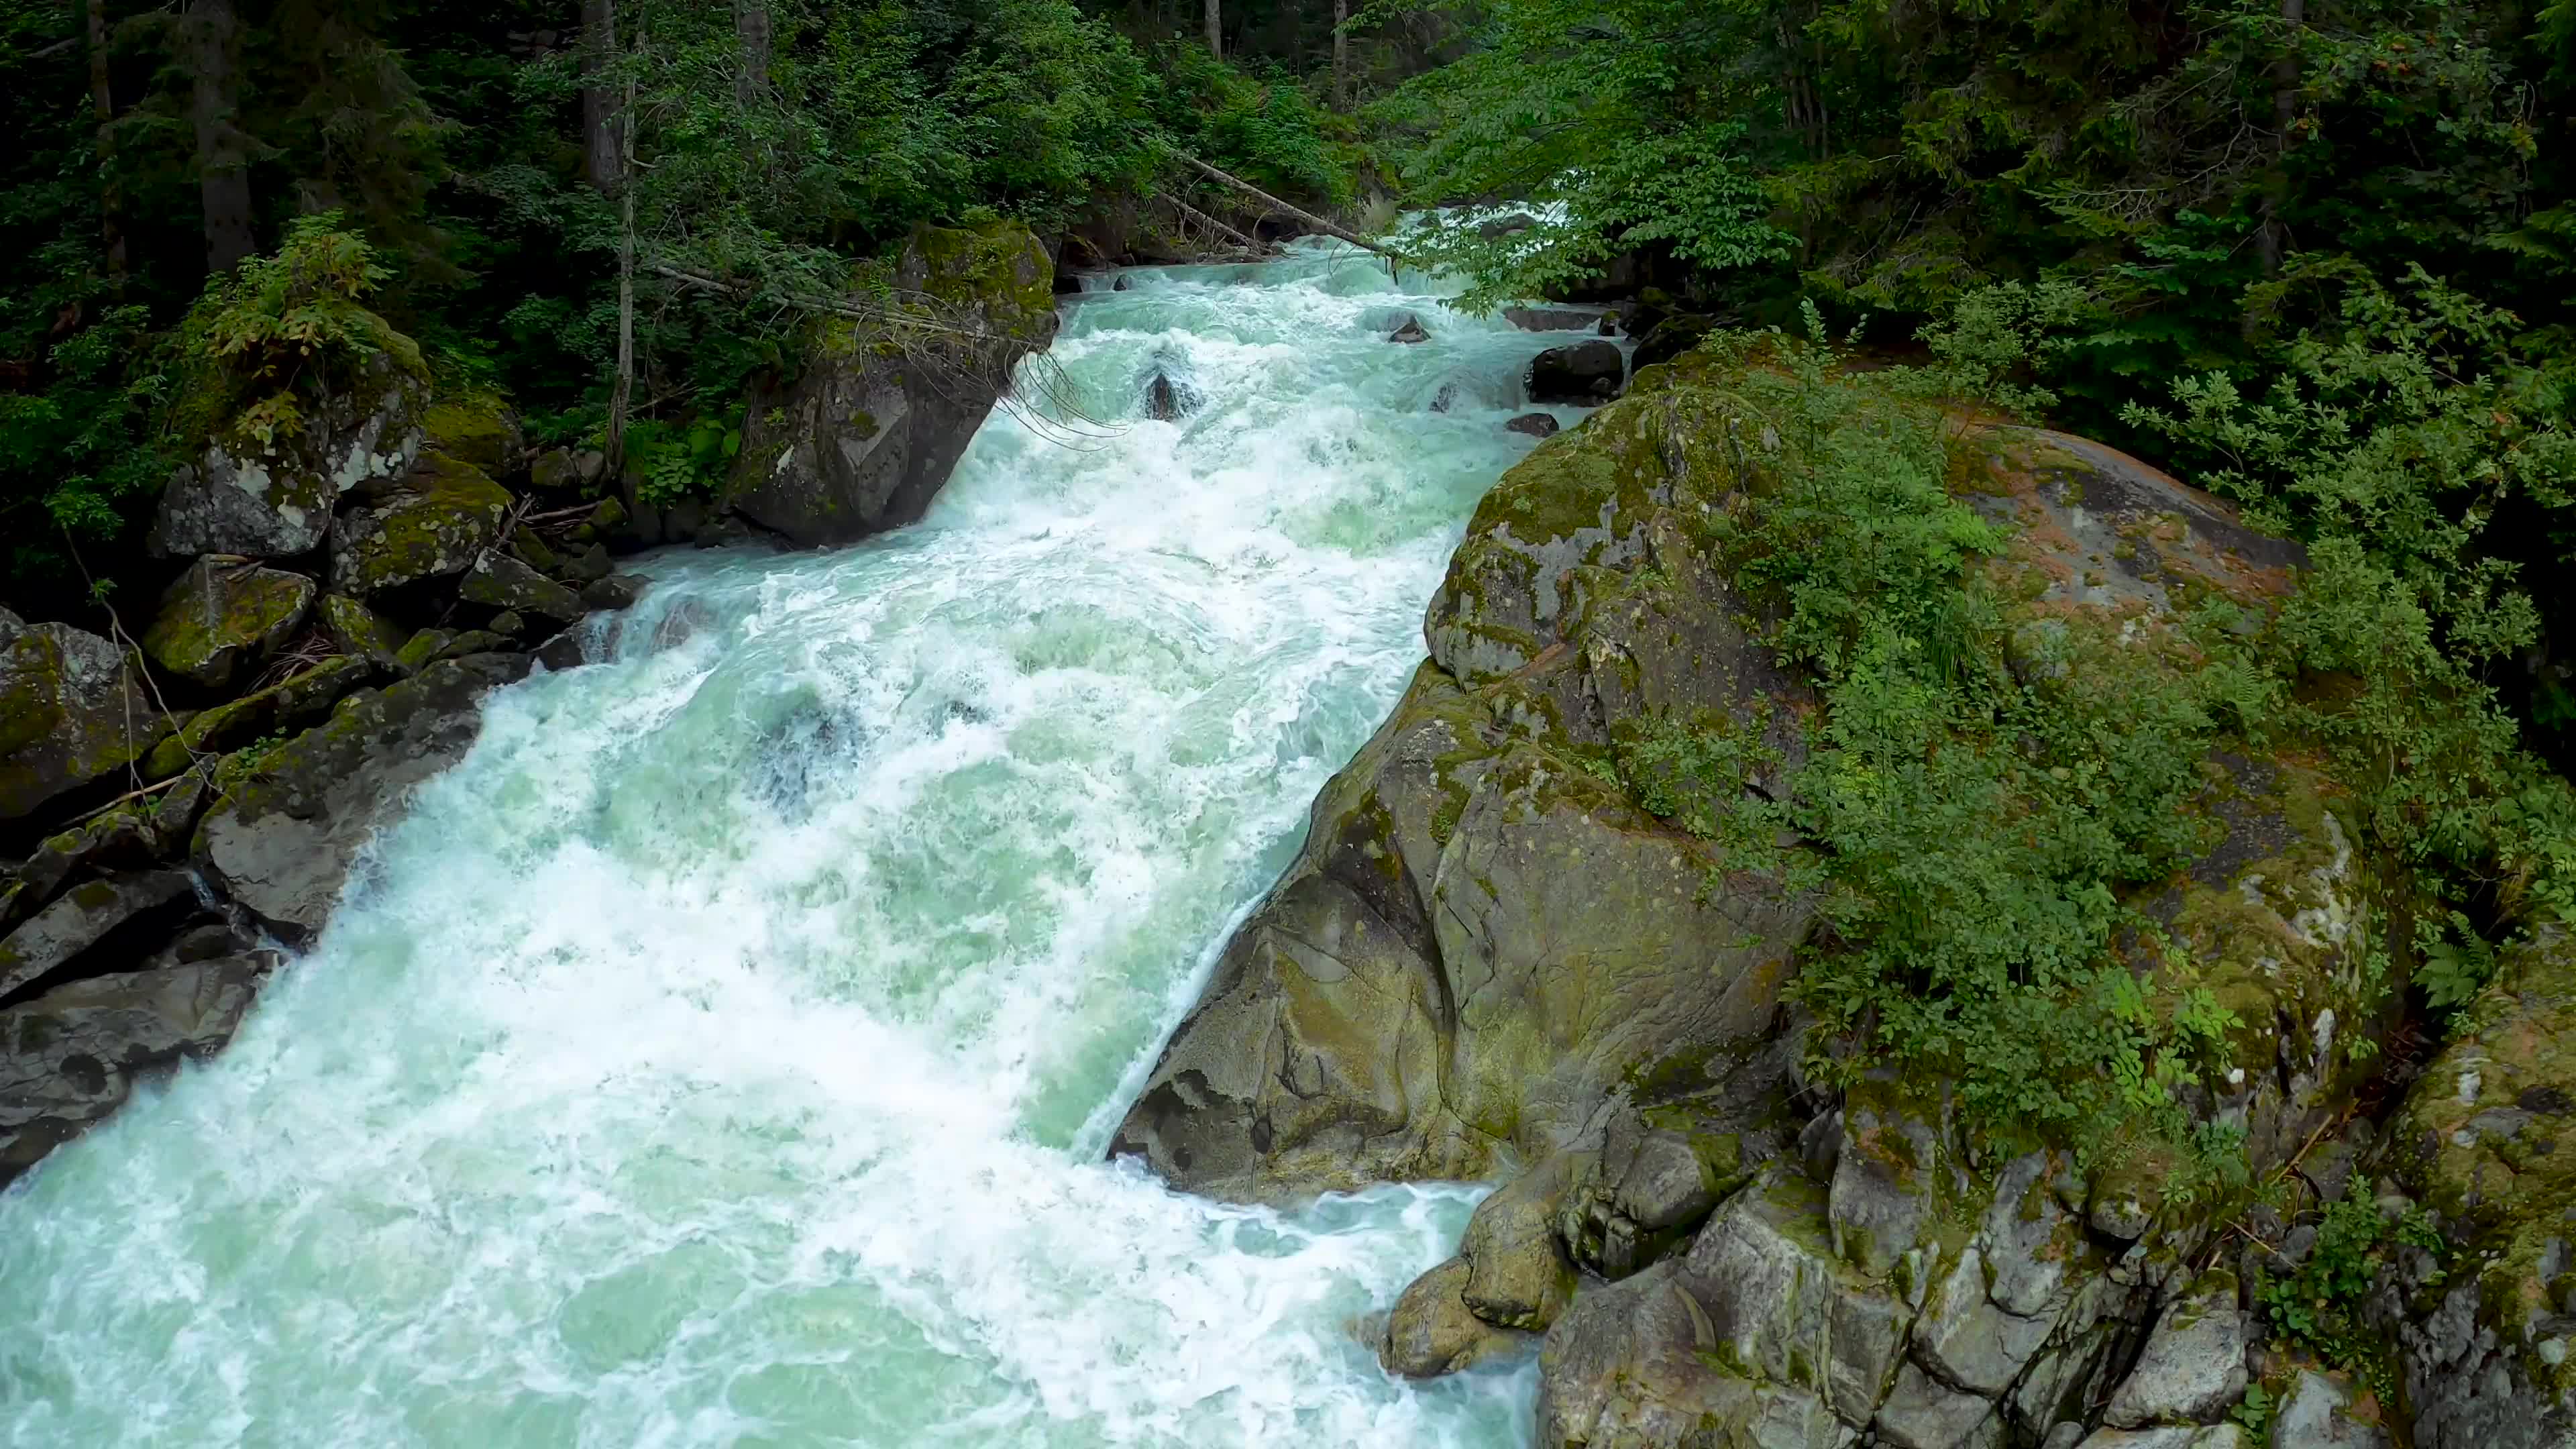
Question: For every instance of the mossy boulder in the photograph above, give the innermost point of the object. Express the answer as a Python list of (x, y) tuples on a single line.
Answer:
[(72, 711), (223, 616), (360, 632), (500, 583), (282, 839), (288, 705), (474, 428), (2488, 1138), (94, 926), (443, 518), (278, 503), (868, 431)]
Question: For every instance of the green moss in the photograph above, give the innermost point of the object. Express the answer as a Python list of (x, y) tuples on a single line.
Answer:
[(474, 428)]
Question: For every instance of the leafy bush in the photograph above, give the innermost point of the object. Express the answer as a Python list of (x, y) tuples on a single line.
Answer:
[(2317, 1305), (277, 337)]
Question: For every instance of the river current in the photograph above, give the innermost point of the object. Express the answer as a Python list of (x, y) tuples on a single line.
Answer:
[(725, 1051)]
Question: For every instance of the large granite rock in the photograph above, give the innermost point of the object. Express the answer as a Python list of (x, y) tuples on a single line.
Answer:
[(71, 1056), (282, 840), (72, 710), (279, 503), (863, 439), (225, 615)]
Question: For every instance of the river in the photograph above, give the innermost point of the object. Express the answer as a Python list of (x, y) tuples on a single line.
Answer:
[(725, 1051)]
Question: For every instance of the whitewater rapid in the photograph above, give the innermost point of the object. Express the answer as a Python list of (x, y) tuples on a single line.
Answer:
[(724, 1052)]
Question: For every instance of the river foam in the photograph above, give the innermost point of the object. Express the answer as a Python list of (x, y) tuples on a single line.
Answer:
[(724, 1052)]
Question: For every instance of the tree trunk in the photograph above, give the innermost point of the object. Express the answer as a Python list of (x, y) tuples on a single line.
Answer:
[(2269, 241), (223, 163), (600, 122), (751, 32), (1341, 55), (623, 390), (102, 100), (1215, 31)]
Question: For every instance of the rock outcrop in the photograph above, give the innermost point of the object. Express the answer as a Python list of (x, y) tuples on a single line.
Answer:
[(1489, 961), (865, 436)]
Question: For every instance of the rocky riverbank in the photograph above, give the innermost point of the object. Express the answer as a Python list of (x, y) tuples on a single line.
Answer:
[(186, 795), (1490, 960)]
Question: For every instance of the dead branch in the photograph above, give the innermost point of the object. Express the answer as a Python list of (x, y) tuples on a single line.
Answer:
[(1246, 188)]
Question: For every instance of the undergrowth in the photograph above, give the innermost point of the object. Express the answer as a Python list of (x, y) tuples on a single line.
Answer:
[(1980, 813)]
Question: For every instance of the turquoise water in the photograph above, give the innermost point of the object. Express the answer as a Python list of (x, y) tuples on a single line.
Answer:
[(724, 1052)]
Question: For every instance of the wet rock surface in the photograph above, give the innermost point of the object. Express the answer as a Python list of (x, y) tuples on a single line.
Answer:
[(861, 440), (1485, 963)]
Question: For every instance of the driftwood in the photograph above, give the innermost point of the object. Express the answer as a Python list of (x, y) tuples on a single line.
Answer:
[(1300, 213), (1192, 213)]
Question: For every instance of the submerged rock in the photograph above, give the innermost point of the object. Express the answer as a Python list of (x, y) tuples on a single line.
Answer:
[(1536, 425), (1583, 373), (1409, 332), (865, 437)]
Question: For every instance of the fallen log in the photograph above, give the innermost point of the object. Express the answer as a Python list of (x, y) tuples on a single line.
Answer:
[(1330, 229)]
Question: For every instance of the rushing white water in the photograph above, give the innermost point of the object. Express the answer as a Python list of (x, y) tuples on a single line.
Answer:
[(724, 1052)]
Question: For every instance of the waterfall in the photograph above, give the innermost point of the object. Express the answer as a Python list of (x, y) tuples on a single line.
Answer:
[(724, 1052)]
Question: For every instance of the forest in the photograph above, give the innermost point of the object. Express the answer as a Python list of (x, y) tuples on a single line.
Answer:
[(2316, 257)]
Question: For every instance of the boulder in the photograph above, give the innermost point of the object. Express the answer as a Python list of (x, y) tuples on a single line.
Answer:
[(1432, 1331), (1411, 331), (71, 1057), (279, 503), (97, 926), (224, 614), (2319, 1412), (284, 836), (2216, 1436), (1517, 1273), (1553, 319), (360, 632), (2193, 1368), (1640, 1364), (501, 583), (72, 711), (1536, 425), (443, 518), (1510, 223), (866, 435), (1582, 373)]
